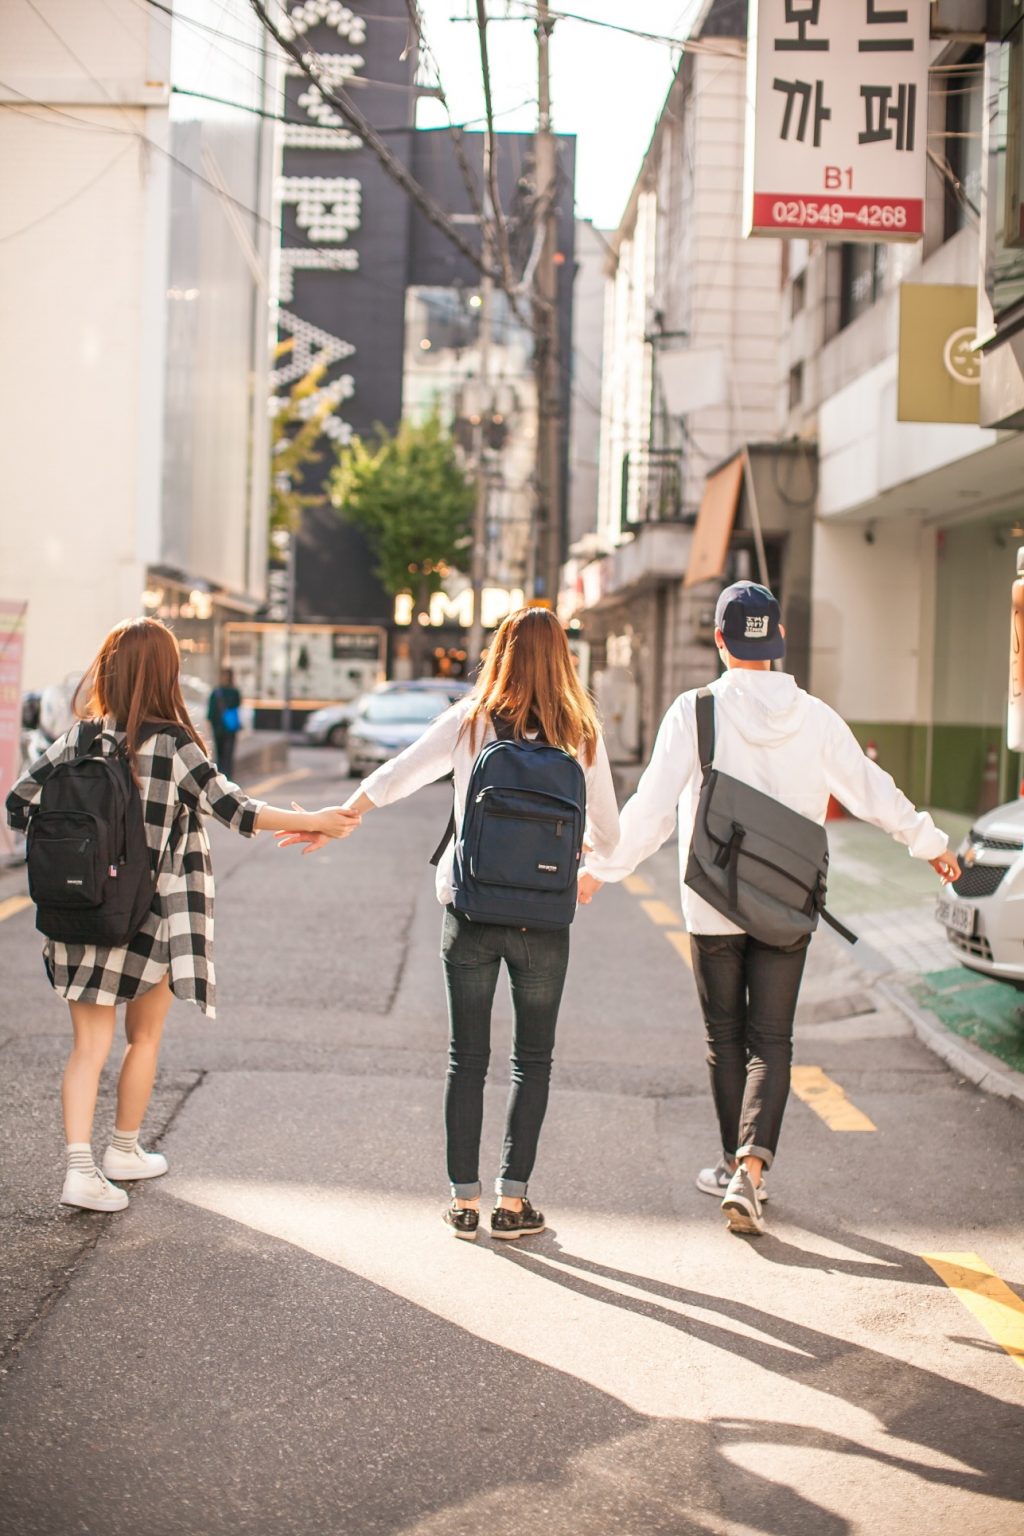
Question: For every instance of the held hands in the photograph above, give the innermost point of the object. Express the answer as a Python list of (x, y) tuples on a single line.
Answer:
[(589, 885), (947, 867), (322, 826)]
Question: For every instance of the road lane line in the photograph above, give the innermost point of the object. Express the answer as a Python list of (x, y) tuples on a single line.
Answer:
[(661, 913), (266, 785), (12, 905), (636, 885), (998, 1309), (680, 942), (828, 1100)]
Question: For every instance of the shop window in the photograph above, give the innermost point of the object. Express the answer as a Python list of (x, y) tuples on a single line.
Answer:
[(1005, 233), (862, 279), (965, 97), (796, 386), (799, 293)]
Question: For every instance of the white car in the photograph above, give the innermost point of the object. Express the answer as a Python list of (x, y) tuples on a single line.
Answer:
[(328, 727), (983, 913), (393, 716)]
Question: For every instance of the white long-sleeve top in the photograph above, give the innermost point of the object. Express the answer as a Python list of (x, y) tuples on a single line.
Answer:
[(782, 741), (446, 748)]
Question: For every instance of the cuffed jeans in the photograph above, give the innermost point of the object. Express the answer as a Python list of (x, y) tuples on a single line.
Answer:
[(748, 994), (472, 954)]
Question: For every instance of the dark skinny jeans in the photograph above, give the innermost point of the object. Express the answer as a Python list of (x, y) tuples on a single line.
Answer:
[(537, 961), (748, 993)]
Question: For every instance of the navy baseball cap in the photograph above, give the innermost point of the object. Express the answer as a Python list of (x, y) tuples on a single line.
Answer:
[(748, 616)]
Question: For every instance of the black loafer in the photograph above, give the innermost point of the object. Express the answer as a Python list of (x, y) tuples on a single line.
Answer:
[(511, 1224), (463, 1221)]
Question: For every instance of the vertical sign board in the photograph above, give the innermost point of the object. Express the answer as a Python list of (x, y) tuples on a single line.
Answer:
[(12, 641), (837, 119)]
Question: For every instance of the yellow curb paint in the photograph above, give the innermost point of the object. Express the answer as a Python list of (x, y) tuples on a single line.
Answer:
[(636, 885), (12, 905), (828, 1100), (266, 785), (661, 913), (999, 1310), (680, 942)]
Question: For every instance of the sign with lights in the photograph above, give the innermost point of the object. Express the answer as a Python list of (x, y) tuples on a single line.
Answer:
[(837, 119), (456, 610)]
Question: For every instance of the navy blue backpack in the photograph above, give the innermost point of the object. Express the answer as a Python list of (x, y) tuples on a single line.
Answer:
[(518, 857)]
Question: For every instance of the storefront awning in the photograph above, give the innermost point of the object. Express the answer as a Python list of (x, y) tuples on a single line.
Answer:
[(714, 525)]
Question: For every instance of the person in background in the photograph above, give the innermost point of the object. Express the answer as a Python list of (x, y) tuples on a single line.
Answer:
[(223, 713)]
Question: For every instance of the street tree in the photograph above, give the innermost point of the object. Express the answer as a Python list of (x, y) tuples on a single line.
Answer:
[(410, 495)]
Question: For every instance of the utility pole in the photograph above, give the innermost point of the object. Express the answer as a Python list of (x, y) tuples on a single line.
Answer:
[(546, 348), (479, 553)]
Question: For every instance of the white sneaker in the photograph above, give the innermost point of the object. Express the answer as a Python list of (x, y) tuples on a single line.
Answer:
[(742, 1204), (91, 1192), (715, 1181), (133, 1165)]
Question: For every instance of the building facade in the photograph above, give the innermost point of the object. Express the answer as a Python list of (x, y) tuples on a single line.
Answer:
[(135, 269)]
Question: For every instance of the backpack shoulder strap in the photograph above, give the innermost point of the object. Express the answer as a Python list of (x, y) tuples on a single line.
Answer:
[(705, 731), (88, 736)]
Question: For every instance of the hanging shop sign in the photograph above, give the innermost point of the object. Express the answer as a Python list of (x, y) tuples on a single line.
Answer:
[(837, 119), (939, 370)]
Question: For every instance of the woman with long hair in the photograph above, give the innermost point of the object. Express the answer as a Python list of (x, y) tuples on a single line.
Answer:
[(527, 690), (133, 691)]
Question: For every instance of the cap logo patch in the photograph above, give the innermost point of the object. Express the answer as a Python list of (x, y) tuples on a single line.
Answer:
[(757, 627)]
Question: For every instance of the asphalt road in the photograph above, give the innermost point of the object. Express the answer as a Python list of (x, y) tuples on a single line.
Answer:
[(280, 1337)]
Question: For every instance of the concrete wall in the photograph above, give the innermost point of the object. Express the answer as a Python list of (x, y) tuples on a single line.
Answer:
[(589, 294), (80, 441)]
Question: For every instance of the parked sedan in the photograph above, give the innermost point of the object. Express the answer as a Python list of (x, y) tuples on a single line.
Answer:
[(392, 717), (983, 913), (328, 727)]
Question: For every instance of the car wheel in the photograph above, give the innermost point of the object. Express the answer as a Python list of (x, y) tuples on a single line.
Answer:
[(337, 736)]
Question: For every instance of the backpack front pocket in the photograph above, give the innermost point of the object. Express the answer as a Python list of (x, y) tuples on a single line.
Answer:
[(525, 841), (67, 859)]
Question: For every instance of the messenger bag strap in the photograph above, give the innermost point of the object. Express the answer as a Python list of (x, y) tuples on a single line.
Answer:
[(840, 928), (705, 731)]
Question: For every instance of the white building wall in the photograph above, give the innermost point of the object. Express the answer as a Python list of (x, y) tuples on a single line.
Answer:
[(74, 413)]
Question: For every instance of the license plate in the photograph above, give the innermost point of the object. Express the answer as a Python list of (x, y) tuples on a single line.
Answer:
[(958, 916)]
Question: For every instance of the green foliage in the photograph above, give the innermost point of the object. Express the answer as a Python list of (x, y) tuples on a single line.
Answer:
[(296, 428), (410, 496)]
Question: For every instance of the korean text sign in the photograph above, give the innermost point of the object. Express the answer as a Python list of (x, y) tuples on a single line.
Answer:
[(837, 118)]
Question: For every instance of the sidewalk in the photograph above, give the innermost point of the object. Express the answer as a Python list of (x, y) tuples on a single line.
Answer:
[(974, 1024)]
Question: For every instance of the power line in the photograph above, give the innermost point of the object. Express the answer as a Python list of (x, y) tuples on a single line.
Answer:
[(426, 52), (13, 234), (500, 227)]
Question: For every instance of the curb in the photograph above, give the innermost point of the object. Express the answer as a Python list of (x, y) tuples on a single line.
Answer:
[(961, 1056)]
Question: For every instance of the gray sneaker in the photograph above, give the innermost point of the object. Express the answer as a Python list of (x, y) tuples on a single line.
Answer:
[(715, 1181), (742, 1205)]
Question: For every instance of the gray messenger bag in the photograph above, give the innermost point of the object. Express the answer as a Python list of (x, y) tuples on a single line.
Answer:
[(761, 865)]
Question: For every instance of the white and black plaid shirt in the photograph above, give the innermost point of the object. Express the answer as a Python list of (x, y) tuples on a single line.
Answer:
[(179, 786)]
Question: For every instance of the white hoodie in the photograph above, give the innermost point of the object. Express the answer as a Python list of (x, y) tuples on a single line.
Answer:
[(783, 741)]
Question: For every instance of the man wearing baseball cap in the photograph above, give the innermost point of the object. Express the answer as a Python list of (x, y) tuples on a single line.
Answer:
[(791, 746)]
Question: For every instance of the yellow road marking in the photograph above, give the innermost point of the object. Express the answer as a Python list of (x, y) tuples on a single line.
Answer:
[(636, 885), (13, 904), (998, 1309), (828, 1100), (661, 913), (680, 942), (277, 780)]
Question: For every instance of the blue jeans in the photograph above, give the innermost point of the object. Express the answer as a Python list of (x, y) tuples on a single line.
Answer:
[(537, 961)]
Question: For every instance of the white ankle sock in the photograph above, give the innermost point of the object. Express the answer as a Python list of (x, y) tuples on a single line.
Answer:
[(80, 1158), (124, 1141)]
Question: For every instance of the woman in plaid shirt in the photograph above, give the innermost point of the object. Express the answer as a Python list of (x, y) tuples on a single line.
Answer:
[(133, 687)]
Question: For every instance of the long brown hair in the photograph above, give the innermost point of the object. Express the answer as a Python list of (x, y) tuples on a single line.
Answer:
[(529, 679), (135, 680)]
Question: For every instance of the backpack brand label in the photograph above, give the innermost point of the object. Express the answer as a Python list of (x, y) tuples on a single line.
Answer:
[(549, 869), (74, 882)]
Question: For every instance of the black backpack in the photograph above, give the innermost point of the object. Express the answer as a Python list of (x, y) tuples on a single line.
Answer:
[(518, 858), (89, 868)]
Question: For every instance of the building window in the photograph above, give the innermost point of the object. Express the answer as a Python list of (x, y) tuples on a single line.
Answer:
[(796, 385), (862, 279), (965, 98), (799, 294), (1005, 234)]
